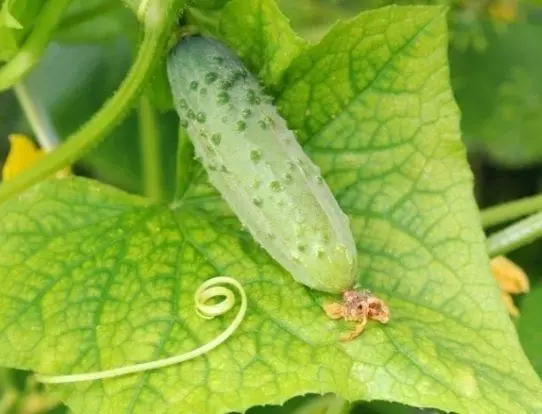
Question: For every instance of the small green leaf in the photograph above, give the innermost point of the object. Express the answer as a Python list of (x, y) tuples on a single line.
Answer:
[(8, 44), (7, 19), (261, 35), (92, 278), (530, 327), (16, 18)]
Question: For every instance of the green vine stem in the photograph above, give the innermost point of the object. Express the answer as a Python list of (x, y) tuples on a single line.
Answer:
[(204, 294), (515, 236), (29, 54), (159, 22), (150, 150), (510, 211), (185, 159)]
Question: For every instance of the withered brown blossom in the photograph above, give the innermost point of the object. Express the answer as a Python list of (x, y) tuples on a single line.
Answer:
[(358, 306)]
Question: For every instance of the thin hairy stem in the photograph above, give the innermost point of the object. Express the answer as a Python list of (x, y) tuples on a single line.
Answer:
[(150, 150), (503, 213), (185, 160), (515, 236), (37, 117)]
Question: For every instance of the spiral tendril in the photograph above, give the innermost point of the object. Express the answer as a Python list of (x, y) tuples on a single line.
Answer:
[(205, 292)]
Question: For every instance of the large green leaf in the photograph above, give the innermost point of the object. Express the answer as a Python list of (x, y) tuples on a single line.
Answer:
[(499, 91), (92, 278)]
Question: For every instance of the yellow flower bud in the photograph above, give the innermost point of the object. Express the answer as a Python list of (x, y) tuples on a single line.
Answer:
[(511, 279), (23, 153)]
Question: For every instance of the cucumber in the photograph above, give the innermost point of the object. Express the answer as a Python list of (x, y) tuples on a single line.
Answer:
[(257, 165)]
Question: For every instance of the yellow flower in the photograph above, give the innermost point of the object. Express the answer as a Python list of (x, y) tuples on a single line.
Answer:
[(22, 155), (511, 279)]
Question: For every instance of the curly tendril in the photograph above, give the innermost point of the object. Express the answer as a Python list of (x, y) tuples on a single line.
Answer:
[(207, 291)]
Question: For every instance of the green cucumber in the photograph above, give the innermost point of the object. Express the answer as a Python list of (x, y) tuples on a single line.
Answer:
[(259, 168)]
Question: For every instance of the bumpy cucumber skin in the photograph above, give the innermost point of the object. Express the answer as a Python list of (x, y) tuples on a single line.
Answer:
[(259, 168)]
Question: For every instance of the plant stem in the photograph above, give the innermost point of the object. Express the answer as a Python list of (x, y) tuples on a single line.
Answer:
[(28, 56), (509, 211), (158, 26), (515, 236), (37, 118), (150, 150), (185, 158)]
